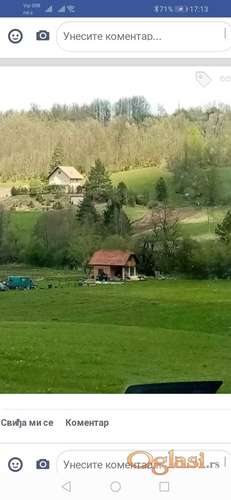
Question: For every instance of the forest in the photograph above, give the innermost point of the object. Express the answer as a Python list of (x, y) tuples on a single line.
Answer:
[(125, 135)]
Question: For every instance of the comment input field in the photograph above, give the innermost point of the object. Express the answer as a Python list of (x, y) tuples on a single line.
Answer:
[(144, 37), (138, 471), (159, 460)]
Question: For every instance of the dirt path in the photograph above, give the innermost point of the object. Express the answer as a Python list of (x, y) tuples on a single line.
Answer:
[(146, 222)]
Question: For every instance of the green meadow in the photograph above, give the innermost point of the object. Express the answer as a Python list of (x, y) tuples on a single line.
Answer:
[(140, 180), (71, 339)]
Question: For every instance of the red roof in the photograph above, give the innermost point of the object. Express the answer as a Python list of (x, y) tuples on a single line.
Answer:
[(110, 258)]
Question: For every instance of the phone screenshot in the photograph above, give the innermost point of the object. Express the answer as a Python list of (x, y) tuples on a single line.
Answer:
[(115, 250)]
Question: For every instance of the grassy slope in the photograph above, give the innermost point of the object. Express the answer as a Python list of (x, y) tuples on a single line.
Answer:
[(203, 224), (137, 212), (140, 179), (144, 179), (103, 339)]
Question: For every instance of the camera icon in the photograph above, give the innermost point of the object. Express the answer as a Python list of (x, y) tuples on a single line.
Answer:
[(43, 35), (42, 464)]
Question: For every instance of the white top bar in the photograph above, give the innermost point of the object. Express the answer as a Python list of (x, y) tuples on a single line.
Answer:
[(59, 38)]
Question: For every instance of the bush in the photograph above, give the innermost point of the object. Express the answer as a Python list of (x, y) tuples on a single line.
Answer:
[(49, 188), (143, 198), (30, 204), (153, 204), (131, 198), (46, 189), (39, 198), (116, 241), (15, 191), (204, 261), (190, 258), (140, 199), (57, 205), (161, 190)]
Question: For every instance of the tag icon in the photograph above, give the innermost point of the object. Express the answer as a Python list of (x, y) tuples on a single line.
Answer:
[(203, 78)]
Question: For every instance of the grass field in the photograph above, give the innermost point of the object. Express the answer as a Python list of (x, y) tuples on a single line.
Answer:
[(141, 179), (203, 224), (199, 230), (103, 339), (137, 212)]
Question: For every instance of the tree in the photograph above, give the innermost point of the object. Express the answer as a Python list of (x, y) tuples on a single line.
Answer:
[(57, 157), (15, 243), (161, 190), (223, 230), (116, 241), (115, 219), (212, 187), (157, 250), (188, 249), (134, 108), (51, 238), (166, 234), (102, 110), (99, 186), (145, 251), (86, 212), (190, 166), (122, 193), (83, 242), (2, 224)]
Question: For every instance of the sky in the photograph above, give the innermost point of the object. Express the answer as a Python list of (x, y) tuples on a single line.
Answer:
[(171, 87)]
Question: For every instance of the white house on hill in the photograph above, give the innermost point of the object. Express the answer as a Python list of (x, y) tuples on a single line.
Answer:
[(66, 176)]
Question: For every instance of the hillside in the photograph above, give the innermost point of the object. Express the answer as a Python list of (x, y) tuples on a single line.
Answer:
[(141, 180), (136, 147), (195, 221), (127, 135)]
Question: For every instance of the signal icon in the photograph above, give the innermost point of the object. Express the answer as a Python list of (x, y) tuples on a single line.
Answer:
[(62, 10), (49, 10)]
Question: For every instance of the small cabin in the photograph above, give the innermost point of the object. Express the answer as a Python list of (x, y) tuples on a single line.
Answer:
[(113, 264), (66, 176)]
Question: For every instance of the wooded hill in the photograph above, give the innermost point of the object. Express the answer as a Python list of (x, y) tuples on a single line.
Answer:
[(124, 136)]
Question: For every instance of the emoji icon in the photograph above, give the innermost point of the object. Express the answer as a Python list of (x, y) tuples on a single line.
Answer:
[(15, 464), (15, 36)]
